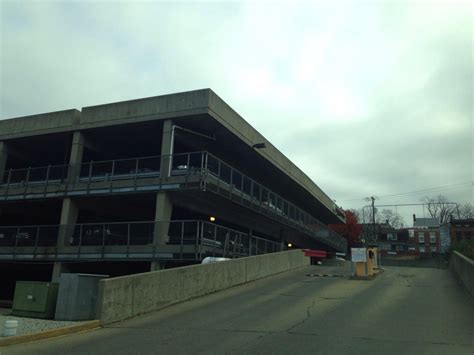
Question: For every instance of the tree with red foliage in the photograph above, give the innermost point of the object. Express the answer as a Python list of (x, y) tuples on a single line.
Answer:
[(351, 230)]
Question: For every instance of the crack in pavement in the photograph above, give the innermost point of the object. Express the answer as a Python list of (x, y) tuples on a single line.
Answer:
[(249, 342), (308, 316)]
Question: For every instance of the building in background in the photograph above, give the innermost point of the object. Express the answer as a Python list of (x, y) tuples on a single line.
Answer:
[(391, 241), (427, 239), (145, 184), (461, 230)]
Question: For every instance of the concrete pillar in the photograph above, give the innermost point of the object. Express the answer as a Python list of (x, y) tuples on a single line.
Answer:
[(3, 160), (75, 159), (58, 269), (163, 211), (69, 214), (167, 143)]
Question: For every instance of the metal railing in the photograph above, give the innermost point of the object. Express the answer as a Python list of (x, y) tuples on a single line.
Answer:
[(208, 239), (104, 170), (241, 188), (228, 181), (35, 175), (19, 236)]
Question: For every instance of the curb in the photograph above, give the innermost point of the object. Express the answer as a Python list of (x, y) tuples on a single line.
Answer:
[(52, 333)]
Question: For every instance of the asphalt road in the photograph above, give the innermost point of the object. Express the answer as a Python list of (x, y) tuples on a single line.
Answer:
[(403, 311)]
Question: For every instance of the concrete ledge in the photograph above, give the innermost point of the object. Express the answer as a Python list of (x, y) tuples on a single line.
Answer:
[(52, 333), (463, 269), (128, 296)]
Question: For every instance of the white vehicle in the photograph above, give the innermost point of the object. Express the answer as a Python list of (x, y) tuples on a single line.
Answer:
[(212, 260)]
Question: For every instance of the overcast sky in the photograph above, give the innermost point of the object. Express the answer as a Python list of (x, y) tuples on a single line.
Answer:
[(366, 97)]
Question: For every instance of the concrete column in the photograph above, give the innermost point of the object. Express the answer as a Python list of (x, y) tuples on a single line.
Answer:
[(69, 214), (3, 160), (163, 210), (167, 143), (75, 159), (58, 269)]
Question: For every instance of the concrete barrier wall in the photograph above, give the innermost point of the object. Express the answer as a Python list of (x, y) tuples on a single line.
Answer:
[(463, 269), (127, 296)]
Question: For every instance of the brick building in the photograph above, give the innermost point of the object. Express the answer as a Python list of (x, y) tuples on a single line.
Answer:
[(426, 235), (461, 230)]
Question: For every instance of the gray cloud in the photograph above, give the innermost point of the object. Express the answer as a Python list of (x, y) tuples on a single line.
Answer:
[(367, 98)]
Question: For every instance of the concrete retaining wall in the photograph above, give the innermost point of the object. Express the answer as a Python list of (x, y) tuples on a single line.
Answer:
[(127, 296), (463, 269)]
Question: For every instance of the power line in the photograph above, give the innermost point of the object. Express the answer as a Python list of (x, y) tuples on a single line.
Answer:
[(432, 189)]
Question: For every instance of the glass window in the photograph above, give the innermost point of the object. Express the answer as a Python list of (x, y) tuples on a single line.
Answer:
[(458, 236), (432, 237), (422, 249), (391, 236), (421, 238)]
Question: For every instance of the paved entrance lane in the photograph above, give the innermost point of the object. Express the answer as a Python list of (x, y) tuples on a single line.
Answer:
[(405, 310)]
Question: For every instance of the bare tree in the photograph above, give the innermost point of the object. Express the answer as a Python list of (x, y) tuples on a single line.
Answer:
[(466, 211), (439, 207), (365, 215), (393, 218)]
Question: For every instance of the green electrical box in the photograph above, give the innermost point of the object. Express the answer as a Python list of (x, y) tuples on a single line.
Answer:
[(35, 299)]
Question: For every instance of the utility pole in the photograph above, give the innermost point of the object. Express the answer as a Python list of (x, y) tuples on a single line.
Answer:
[(373, 219)]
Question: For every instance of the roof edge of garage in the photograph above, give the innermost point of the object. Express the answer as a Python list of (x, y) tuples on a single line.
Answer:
[(43, 123), (162, 107), (229, 118)]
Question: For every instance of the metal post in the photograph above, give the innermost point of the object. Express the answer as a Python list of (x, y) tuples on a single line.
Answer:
[(215, 240), (128, 239), (27, 178), (80, 240), (201, 233), (90, 175), (226, 244), (103, 239), (112, 170), (47, 179), (16, 242), (218, 174), (231, 185), (8, 182), (182, 239), (36, 240)]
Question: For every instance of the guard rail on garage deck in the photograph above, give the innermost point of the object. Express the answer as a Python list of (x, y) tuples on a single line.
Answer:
[(186, 240), (199, 170)]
